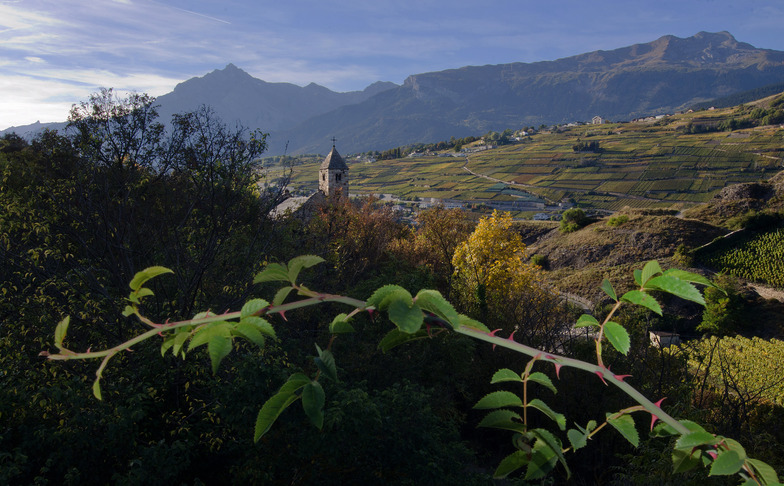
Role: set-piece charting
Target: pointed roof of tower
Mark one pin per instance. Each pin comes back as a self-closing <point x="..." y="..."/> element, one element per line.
<point x="334" y="161"/>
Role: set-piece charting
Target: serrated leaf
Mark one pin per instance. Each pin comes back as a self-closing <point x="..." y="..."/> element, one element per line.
<point x="274" y="272"/>
<point x="219" y="347"/>
<point x="543" y="460"/>
<point x="767" y="473"/>
<point x="179" y="340"/>
<point x="313" y="403"/>
<point x="688" y="277"/>
<point x="609" y="290"/>
<point x="554" y="445"/>
<point x="617" y="336"/>
<point x="60" y="331"/>
<point x="577" y="439"/>
<point x="726" y="463"/>
<point x="695" y="439"/>
<point x="205" y="334"/>
<point x="663" y="430"/>
<point x="298" y="263"/>
<point x="503" y="419"/>
<point x="505" y="374"/>
<point x="542" y="379"/>
<point x="685" y="460"/>
<point x="643" y="299"/>
<point x="638" y="277"/>
<point x="407" y="318"/>
<point x="250" y="332"/>
<point x="383" y="296"/>
<point x="281" y="294"/>
<point x="271" y="410"/>
<point x="556" y="417"/>
<point x="168" y="342"/>
<point x="649" y="270"/>
<point x="340" y="325"/>
<point x="472" y="323"/>
<point x="325" y="362"/>
<point x="433" y="302"/>
<point x="625" y="425"/>
<point x="677" y="287"/>
<point x="141" y="277"/>
<point x="734" y="445"/>
<point x="395" y="337"/>
<point x="510" y="464"/>
<point x="262" y="325"/>
<point x="586" y="320"/>
<point x="499" y="399"/>
<point x="253" y="307"/>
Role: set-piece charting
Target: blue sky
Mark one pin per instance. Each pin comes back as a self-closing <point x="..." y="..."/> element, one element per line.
<point x="54" y="53"/>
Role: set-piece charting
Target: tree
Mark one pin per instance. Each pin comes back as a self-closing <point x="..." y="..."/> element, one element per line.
<point x="573" y="219"/>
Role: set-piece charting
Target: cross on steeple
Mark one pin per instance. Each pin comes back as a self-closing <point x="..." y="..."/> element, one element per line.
<point x="333" y="141"/>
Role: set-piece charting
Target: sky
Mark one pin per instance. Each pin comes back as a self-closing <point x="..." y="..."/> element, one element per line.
<point x="54" y="53"/>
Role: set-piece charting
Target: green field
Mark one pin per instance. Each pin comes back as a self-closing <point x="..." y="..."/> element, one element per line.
<point x="640" y="165"/>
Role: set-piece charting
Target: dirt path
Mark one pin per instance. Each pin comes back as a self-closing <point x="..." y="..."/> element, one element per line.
<point x="767" y="292"/>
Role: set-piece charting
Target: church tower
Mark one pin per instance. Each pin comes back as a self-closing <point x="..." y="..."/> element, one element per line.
<point x="333" y="174"/>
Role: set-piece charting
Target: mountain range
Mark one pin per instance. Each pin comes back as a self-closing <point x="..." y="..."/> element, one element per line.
<point x="663" y="76"/>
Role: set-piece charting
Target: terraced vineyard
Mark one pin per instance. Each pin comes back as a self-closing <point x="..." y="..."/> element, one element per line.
<point x="759" y="257"/>
<point x="640" y="165"/>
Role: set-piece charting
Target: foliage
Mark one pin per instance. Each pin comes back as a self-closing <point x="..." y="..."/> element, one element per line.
<point x="758" y="257"/>
<point x="724" y="308"/>
<point x="572" y="220"/>
<point x="618" y="220"/>
<point x="538" y="449"/>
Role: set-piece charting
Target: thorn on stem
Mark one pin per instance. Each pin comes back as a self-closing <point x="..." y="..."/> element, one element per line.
<point x="601" y="377"/>
<point x="654" y="418"/>
<point x="557" y="370"/>
<point x="283" y="315"/>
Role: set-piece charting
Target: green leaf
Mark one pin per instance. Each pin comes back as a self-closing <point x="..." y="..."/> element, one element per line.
<point x="396" y="337"/>
<point x="325" y="362"/>
<point x="685" y="460"/>
<point x="643" y="299"/>
<point x="205" y="334"/>
<point x="554" y="445"/>
<point x="472" y="323"/>
<point x="663" y="430"/>
<point x="250" y="332"/>
<point x="261" y="324"/>
<point x="609" y="290"/>
<point x="179" y="339"/>
<point x="383" y="296"/>
<point x="510" y="464"/>
<point x="313" y="403"/>
<point x="695" y="439"/>
<point x="270" y="412"/>
<point x="543" y="460"/>
<point x="168" y="342"/>
<point x="253" y="307"/>
<point x="556" y="417"/>
<point x="688" y="277"/>
<point x="734" y="445"/>
<point x="408" y="318"/>
<point x="274" y="272"/>
<point x="141" y="293"/>
<point x="97" y="388"/>
<point x="577" y="439"/>
<point x="298" y="263"/>
<point x="625" y="425"/>
<point x="586" y="320"/>
<point x="542" y="379"/>
<point x="128" y="311"/>
<point x="767" y="473"/>
<point x="505" y="374"/>
<point x="141" y="277"/>
<point x="219" y="347"/>
<point x="340" y="325"/>
<point x="617" y="336"/>
<point x="679" y="288"/>
<point x="281" y="294"/>
<point x="638" y="277"/>
<point x="60" y="331"/>
<point x="433" y="302"/>
<point x="503" y="419"/>
<point x="649" y="270"/>
<point x="499" y="399"/>
<point x="726" y="463"/>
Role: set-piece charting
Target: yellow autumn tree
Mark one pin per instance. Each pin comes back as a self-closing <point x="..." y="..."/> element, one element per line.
<point x="494" y="280"/>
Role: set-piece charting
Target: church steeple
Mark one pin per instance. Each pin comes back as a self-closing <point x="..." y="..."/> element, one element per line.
<point x="333" y="174"/>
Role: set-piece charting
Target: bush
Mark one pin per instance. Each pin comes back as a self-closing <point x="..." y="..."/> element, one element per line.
<point x="573" y="219"/>
<point x="617" y="220"/>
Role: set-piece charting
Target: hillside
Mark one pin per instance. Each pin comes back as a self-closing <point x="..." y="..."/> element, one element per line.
<point x="646" y="164"/>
